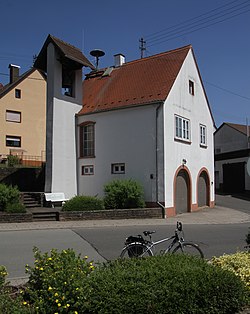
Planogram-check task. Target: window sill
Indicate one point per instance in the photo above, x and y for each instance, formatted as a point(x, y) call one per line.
point(86, 157)
point(182, 141)
point(203, 146)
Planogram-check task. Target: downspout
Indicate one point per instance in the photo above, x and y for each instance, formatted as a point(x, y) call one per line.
point(156, 161)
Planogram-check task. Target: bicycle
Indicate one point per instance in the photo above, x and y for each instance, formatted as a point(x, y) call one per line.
point(137, 246)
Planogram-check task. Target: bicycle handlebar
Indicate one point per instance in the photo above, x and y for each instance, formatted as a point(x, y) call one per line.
point(179, 226)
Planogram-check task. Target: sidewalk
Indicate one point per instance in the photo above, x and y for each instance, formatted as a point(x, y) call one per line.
point(216, 215)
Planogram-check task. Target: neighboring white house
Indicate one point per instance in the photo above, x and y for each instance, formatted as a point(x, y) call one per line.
point(148, 120)
point(232, 158)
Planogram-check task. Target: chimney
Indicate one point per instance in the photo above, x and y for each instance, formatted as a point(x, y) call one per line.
point(119, 59)
point(14, 72)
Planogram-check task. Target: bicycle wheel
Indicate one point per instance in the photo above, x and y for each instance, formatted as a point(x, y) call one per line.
point(189, 248)
point(135, 250)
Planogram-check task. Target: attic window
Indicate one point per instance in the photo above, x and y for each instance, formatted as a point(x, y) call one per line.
point(17, 93)
point(191, 87)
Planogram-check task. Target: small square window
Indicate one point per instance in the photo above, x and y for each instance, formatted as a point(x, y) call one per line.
point(87, 170)
point(18, 93)
point(191, 87)
point(118, 168)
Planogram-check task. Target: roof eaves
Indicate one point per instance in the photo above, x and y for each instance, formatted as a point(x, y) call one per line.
point(159, 102)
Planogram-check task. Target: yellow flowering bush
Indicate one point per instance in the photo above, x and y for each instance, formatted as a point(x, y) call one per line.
point(238, 263)
point(3, 274)
point(56, 281)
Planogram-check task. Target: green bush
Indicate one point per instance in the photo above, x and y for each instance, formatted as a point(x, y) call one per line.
point(8, 305)
point(57, 282)
point(13, 160)
point(238, 263)
point(15, 208)
point(121, 194)
point(8, 195)
point(164, 284)
point(81, 203)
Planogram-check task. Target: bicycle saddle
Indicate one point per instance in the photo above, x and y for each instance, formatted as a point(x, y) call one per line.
point(147, 233)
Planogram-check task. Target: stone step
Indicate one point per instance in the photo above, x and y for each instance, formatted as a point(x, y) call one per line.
point(45, 216)
point(31, 200)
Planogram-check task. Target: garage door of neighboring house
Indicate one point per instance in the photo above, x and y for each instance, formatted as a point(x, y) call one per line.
point(203, 190)
point(182, 192)
point(234, 177)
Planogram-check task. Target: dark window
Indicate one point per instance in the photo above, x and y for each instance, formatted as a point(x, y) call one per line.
point(18, 93)
point(68, 81)
point(87, 140)
point(13, 141)
point(191, 87)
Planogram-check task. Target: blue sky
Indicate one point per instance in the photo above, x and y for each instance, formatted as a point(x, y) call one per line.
point(218, 30)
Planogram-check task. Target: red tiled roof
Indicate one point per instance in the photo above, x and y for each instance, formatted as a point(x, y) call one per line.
point(239, 127)
point(135, 83)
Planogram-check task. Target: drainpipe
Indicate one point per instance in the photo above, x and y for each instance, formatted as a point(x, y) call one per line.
point(156, 159)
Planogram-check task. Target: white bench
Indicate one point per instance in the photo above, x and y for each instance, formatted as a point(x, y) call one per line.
point(56, 197)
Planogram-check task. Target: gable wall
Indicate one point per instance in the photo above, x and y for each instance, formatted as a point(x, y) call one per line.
point(32, 106)
point(228, 139)
point(194, 108)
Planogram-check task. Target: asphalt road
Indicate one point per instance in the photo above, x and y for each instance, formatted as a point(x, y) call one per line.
point(16, 247)
point(105, 243)
point(214, 240)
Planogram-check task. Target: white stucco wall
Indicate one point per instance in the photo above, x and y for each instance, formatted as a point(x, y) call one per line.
point(122, 136)
point(61, 168)
point(195, 108)
point(64, 148)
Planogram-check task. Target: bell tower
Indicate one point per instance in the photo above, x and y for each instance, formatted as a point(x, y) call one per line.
point(63, 65)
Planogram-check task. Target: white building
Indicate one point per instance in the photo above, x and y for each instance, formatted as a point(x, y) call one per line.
point(149, 120)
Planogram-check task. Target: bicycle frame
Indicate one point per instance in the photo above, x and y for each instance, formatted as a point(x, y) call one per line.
point(176, 239)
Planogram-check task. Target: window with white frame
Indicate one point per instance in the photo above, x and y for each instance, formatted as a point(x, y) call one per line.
point(13, 116)
point(203, 135)
point(118, 168)
point(182, 128)
point(87, 170)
